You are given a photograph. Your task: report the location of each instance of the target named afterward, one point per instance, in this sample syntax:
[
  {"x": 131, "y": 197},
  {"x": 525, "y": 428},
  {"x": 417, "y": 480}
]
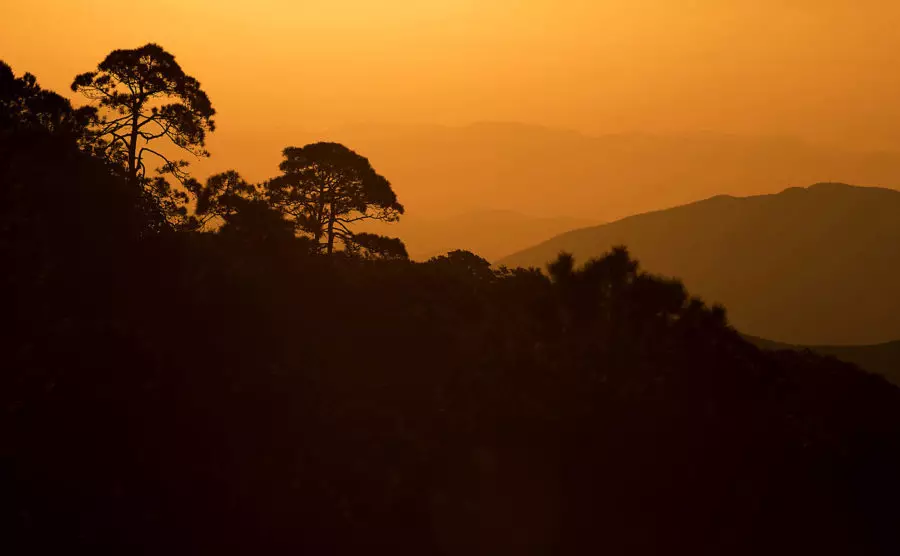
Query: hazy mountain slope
[
  {"x": 814, "y": 266},
  {"x": 883, "y": 359},
  {"x": 490, "y": 233}
]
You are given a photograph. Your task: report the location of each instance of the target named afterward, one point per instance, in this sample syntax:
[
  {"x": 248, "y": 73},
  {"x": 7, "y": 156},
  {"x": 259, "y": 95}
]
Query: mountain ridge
[{"x": 833, "y": 186}]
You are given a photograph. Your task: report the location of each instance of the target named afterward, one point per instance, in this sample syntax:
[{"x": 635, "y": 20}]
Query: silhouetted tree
[
  {"x": 463, "y": 263},
  {"x": 562, "y": 268},
  {"x": 220, "y": 195},
  {"x": 326, "y": 188},
  {"x": 374, "y": 246},
  {"x": 145, "y": 96}
]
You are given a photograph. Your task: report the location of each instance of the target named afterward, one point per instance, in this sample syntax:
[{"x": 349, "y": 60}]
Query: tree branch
[
  {"x": 362, "y": 216},
  {"x": 172, "y": 167}
]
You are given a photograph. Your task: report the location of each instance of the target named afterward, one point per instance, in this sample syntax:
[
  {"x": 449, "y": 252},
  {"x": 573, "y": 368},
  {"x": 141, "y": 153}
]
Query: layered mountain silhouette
[
  {"x": 444, "y": 173},
  {"x": 546, "y": 171},
  {"x": 807, "y": 266}
]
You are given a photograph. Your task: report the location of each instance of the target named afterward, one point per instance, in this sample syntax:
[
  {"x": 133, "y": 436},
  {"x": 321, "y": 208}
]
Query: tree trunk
[
  {"x": 331, "y": 219},
  {"x": 132, "y": 148},
  {"x": 322, "y": 202}
]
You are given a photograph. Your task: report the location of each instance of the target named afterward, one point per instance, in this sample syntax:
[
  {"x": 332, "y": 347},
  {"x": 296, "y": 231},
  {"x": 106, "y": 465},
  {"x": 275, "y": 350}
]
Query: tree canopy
[
  {"x": 325, "y": 188},
  {"x": 220, "y": 196},
  {"x": 144, "y": 96}
]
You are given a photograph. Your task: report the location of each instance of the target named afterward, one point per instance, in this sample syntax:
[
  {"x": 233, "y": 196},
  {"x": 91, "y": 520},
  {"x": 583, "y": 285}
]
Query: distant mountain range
[
  {"x": 440, "y": 171},
  {"x": 882, "y": 359},
  {"x": 808, "y": 266}
]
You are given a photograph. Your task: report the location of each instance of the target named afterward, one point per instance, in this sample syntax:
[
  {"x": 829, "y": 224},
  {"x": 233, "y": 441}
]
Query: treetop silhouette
[
  {"x": 325, "y": 188},
  {"x": 147, "y": 97},
  {"x": 25, "y": 105},
  {"x": 220, "y": 195},
  {"x": 374, "y": 246}
]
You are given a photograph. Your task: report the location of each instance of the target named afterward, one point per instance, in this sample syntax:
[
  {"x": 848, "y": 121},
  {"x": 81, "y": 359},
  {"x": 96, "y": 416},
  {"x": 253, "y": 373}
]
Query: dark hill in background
[{"x": 814, "y": 266}]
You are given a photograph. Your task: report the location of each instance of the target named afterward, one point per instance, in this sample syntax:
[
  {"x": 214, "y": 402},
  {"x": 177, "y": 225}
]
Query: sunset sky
[
  {"x": 278, "y": 71},
  {"x": 810, "y": 67}
]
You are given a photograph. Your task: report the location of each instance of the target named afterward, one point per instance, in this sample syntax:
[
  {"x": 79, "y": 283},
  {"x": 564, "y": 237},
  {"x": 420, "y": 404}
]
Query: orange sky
[{"x": 819, "y": 69}]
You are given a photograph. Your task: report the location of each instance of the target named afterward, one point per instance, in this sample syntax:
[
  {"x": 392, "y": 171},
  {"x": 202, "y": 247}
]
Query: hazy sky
[
  {"x": 279, "y": 72},
  {"x": 822, "y": 68}
]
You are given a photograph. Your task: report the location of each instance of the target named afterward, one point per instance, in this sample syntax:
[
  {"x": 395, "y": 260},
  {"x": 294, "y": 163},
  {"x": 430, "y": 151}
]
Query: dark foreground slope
[
  {"x": 882, "y": 359},
  {"x": 165, "y": 392},
  {"x": 814, "y": 266}
]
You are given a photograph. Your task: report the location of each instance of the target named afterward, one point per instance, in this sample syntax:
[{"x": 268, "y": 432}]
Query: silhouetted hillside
[
  {"x": 814, "y": 266},
  {"x": 882, "y": 359},
  {"x": 258, "y": 377}
]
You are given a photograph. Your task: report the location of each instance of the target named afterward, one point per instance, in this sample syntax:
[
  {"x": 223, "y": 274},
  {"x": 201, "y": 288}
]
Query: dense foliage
[
  {"x": 325, "y": 188},
  {"x": 237, "y": 392}
]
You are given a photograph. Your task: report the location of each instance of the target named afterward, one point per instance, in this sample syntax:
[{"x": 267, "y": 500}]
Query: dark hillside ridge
[{"x": 881, "y": 359}]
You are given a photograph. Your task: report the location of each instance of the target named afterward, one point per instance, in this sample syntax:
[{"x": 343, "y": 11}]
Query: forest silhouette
[{"x": 229, "y": 367}]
